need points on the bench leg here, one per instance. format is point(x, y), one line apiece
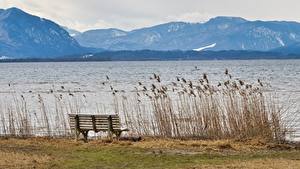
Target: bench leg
point(77, 133)
point(85, 135)
point(118, 134)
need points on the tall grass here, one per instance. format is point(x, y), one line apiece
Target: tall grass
point(198, 109)
point(16, 120)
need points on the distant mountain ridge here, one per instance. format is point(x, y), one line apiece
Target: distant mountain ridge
point(227, 33)
point(25, 35)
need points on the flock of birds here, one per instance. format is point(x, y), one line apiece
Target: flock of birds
point(157, 88)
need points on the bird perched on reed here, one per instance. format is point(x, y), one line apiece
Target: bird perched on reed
point(158, 79)
point(241, 82)
point(190, 84)
point(260, 82)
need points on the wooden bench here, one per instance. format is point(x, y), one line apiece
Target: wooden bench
point(83, 123)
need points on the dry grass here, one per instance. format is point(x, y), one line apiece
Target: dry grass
point(231, 109)
point(22, 160)
point(255, 164)
point(149, 153)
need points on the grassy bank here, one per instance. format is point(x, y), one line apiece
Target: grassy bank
point(149, 153)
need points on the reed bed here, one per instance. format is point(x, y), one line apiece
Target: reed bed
point(231, 109)
point(184, 109)
point(16, 120)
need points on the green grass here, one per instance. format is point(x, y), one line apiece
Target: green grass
point(111, 157)
point(69, 154)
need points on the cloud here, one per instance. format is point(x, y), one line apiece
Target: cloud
point(191, 17)
point(131, 14)
point(96, 25)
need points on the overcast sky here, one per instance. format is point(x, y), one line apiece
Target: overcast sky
point(131, 14)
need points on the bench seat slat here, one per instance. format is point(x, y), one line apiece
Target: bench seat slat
point(91, 126)
point(97, 124)
point(100, 129)
point(88, 120)
point(100, 118)
point(97, 121)
point(83, 123)
point(96, 116)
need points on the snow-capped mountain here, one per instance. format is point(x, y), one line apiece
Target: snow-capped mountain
point(227, 33)
point(72, 32)
point(101, 38)
point(25, 35)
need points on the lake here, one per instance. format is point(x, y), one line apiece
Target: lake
point(87, 77)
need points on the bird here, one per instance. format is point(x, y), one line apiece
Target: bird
point(153, 86)
point(226, 71)
point(190, 84)
point(158, 79)
point(204, 76)
point(155, 76)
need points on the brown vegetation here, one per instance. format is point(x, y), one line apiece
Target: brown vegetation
point(200, 110)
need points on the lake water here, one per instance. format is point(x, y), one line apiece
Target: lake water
point(85, 79)
point(282, 75)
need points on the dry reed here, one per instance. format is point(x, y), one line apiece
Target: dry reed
point(200, 110)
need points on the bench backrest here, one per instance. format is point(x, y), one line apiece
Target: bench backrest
point(94, 122)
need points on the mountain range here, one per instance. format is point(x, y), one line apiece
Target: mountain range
point(220, 33)
point(23, 35)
